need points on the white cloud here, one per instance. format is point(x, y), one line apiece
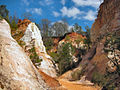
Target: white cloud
point(60, 21)
point(93, 3)
point(91, 15)
point(71, 12)
point(63, 2)
point(56, 14)
point(46, 2)
point(26, 2)
point(35, 10)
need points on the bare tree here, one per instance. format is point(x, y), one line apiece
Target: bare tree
point(28, 16)
point(45, 23)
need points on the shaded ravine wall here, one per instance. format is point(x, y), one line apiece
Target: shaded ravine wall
point(107, 22)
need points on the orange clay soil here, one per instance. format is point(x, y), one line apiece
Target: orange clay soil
point(52, 82)
point(64, 84)
point(68, 85)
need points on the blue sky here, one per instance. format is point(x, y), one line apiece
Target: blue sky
point(82, 12)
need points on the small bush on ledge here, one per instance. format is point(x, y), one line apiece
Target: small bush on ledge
point(33, 56)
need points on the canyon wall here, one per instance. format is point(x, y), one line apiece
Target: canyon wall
point(108, 20)
point(107, 23)
point(16, 69)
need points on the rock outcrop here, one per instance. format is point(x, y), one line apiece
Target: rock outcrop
point(32, 38)
point(16, 69)
point(108, 20)
point(32, 34)
point(22, 25)
point(76, 39)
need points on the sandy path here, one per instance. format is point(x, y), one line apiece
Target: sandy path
point(74, 86)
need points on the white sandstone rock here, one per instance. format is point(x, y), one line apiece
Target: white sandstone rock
point(16, 69)
point(33, 33)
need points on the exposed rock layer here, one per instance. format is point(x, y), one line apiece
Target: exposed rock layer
point(32, 38)
point(22, 25)
point(16, 70)
point(108, 20)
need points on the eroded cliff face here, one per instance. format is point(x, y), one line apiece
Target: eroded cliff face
point(32, 33)
point(32, 38)
point(108, 20)
point(16, 69)
point(77, 41)
point(22, 25)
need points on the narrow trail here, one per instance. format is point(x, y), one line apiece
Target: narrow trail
point(75, 86)
point(65, 84)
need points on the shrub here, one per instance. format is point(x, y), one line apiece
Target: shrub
point(76, 75)
point(38, 60)
point(64, 57)
point(99, 79)
point(67, 38)
point(21, 43)
point(13, 25)
point(1, 17)
point(78, 41)
point(48, 42)
point(33, 56)
point(3, 11)
point(54, 56)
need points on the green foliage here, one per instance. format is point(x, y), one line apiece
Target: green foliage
point(78, 40)
point(112, 43)
point(33, 56)
point(1, 17)
point(113, 81)
point(48, 42)
point(76, 75)
point(38, 60)
point(87, 40)
point(78, 29)
point(113, 40)
point(13, 25)
point(54, 56)
point(67, 38)
point(21, 43)
point(99, 79)
point(108, 81)
point(64, 57)
point(3, 11)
